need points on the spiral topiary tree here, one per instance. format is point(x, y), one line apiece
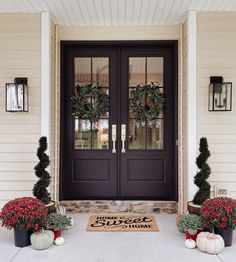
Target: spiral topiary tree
point(40, 188)
point(203, 192)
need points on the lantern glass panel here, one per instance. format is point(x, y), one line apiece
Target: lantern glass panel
point(16, 97)
point(26, 98)
point(220, 96)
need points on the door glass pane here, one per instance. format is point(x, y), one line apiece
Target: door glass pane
point(92, 84)
point(100, 135)
point(82, 134)
point(145, 124)
point(136, 134)
point(82, 70)
point(155, 70)
point(100, 71)
point(136, 71)
point(155, 134)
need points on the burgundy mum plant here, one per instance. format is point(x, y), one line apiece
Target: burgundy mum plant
point(219, 212)
point(24, 213)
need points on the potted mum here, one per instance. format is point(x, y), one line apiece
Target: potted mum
point(220, 213)
point(57, 223)
point(191, 225)
point(25, 215)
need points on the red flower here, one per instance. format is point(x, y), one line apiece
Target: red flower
point(224, 219)
point(223, 225)
point(219, 212)
point(28, 225)
point(20, 213)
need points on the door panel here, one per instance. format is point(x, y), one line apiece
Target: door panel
point(90, 169)
point(147, 165)
point(118, 156)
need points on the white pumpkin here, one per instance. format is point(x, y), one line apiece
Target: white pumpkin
point(210, 243)
point(42, 240)
point(190, 243)
point(59, 241)
point(60, 209)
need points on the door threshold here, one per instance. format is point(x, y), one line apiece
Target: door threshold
point(119, 206)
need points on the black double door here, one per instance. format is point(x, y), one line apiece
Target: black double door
point(119, 156)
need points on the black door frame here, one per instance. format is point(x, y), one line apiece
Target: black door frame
point(66, 45)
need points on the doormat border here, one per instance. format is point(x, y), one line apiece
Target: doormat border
point(146, 226)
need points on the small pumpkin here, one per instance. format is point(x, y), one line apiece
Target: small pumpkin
point(42, 240)
point(59, 241)
point(190, 243)
point(60, 209)
point(210, 243)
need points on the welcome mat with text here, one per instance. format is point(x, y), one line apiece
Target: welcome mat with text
point(122, 223)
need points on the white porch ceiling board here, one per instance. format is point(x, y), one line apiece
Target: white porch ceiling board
point(165, 12)
point(129, 12)
point(117, 12)
point(145, 11)
point(100, 12)
point(153, 7)
point(79, 17)
point(209, 5)
point(86, 12)
point(122, 12)
point(16, 5)
point(114, 13)
point(69, 12)
point(182, 11)
point(39, 5)
point(170, 19)
point(136, 12)
point(159, 13)
point(25, 4)
point(107, 12)
point(229, 6)
point(199, 5)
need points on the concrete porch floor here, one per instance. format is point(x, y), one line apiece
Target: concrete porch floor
point(81, 246)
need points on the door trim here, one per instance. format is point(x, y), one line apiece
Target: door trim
point(65, 45)
point(191, 102)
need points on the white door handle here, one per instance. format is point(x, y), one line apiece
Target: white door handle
point(113, 139)
point(123, 137)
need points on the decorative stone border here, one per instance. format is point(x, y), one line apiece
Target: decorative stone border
point(114, 207)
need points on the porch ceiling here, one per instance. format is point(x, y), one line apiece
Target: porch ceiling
point(116, 12)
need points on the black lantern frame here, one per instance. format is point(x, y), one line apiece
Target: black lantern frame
point(220, 95)
point(17, 95)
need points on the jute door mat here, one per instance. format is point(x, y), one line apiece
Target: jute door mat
point(122, 223)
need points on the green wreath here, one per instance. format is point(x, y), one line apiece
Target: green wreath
point(138, 102)
point(89, 102)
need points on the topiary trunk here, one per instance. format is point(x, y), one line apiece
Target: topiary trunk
point(40, 188)
point(201, 177)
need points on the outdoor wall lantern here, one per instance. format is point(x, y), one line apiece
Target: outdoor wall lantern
point(220, 94)
point(17, 95)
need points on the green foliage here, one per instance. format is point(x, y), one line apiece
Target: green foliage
point(57, 221)
point(89, 102)
point(190, 223)
point(138, 101)
point(40, 188)
point(201, 177)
